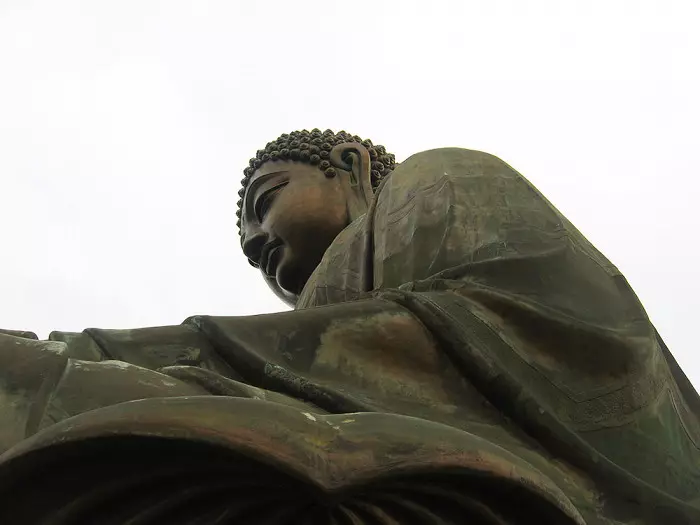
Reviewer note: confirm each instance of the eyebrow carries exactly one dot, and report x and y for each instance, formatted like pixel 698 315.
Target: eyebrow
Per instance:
pixel 263 178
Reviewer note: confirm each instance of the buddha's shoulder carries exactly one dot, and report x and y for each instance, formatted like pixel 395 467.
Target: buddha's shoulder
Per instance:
pixel 430 168
pixel 449 157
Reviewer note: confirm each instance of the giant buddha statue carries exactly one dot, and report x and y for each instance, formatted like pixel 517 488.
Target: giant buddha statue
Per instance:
pixel 457 353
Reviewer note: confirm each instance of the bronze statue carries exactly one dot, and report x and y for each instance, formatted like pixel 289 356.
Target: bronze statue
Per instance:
pixel 458 353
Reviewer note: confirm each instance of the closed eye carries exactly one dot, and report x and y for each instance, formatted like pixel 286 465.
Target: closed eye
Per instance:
pixel 265 200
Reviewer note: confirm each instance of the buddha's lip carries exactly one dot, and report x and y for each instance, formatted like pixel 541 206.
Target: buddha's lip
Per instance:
pixel 266 262
pixel 273 261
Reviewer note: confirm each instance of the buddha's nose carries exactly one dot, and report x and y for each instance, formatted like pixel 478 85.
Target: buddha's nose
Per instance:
pixel 253 244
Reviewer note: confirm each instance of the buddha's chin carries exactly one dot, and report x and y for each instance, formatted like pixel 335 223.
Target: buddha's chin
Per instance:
pixel 290 277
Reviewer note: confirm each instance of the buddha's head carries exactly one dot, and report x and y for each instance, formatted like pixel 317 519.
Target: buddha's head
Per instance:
pixel 298 194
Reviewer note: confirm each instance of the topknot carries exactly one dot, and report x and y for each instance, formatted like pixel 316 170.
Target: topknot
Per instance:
pixel 313 147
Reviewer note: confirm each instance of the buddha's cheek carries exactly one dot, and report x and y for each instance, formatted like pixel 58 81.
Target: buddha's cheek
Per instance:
pixel 307 237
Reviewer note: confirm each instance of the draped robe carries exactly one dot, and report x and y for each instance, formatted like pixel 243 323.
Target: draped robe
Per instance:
pixel 461 352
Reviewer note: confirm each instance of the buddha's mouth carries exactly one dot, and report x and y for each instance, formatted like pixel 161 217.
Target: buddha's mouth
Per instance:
pixel 270 256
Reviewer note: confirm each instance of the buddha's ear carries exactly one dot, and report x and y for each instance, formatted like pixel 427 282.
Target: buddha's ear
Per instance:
pixel 353 158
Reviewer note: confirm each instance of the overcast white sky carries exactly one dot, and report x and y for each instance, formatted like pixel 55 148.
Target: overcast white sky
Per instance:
pixel 124 127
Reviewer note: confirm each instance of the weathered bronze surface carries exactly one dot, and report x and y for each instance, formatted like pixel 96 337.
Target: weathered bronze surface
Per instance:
pixel 458 353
